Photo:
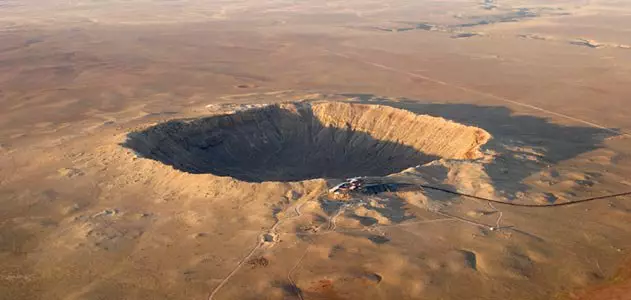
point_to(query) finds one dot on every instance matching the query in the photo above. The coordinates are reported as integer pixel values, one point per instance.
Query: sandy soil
(115, 183)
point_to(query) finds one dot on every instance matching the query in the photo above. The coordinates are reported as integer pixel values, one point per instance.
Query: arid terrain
(185, 149)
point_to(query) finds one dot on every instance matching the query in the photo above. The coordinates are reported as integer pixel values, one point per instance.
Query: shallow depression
(300, 141)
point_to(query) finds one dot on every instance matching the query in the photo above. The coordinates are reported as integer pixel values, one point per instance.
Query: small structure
(351, 184)
(361, 185)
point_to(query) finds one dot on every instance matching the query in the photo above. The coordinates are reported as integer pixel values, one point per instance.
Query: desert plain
(184, 149)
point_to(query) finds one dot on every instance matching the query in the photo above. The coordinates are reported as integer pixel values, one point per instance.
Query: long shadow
(271, 144)
(524, 145)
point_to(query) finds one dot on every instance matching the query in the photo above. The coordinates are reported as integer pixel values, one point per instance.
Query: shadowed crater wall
(299, 141)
